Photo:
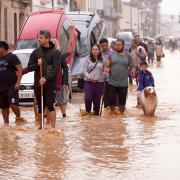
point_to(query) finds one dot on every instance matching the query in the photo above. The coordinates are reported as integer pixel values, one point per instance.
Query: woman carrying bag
(93, 81)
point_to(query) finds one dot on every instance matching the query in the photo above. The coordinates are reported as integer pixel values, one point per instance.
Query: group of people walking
(106, 71)
(50, 79)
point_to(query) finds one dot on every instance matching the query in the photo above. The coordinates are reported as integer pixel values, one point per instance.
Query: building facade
(12, 16)
(38, 5)
(112, 13)
(132, 19)
(109, 10)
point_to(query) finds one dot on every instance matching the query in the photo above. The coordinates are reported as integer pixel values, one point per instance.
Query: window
(15, 27)
(21, 20)
(68, 27)
(5, 25)
(96, 32)
(63, 40)
(28, 44)
(83, 46)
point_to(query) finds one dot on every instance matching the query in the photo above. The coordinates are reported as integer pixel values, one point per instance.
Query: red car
(57, 22)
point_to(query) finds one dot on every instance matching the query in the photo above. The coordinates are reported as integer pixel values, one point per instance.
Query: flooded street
(132, 147)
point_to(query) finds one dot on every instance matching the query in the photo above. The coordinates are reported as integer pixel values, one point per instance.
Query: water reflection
(50, 154)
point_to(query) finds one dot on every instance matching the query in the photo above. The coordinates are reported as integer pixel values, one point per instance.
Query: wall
(12, 8)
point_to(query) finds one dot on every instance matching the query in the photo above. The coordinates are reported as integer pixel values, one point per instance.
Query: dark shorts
(49, 96)
(117, 95)
(9, 97)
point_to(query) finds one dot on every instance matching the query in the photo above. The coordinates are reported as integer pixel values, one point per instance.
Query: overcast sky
(170, 7)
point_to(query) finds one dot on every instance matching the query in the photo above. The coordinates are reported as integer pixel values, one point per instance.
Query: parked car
(127, 37)
(60, 26)
(90, 29)
(26, 92)
(57, 22)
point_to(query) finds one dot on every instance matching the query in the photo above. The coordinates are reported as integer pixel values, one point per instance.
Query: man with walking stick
(45, 62)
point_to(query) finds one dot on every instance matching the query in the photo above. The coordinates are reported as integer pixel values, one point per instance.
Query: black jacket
(51, 61)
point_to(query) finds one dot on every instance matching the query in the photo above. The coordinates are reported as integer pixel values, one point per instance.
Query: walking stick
(102, 99)
(42, 101)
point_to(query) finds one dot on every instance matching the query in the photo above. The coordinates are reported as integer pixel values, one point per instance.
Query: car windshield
(28, 44)
(24, 58)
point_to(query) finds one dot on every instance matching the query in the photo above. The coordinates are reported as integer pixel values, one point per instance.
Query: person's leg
(4, 105)
(5, 114)
(60, 101)
(88, 96)
(37, 92)
(50, 101)
(63, 110)
(35, 109)
(122, 96)
(130, 78)
(112, 95)
(158, 58)
(13, 100)
(15, 108)
(138, 99)
(97, 94)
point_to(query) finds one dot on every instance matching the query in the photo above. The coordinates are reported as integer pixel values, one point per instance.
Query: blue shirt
(145, 79)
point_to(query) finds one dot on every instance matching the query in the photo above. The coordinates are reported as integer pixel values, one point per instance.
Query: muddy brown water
(132, 147)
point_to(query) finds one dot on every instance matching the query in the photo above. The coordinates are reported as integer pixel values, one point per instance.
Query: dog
(149, 101)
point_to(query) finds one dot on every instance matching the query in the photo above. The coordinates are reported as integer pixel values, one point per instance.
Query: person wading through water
(10, 77)
(47, 56)
(118, 66)
(94, 81)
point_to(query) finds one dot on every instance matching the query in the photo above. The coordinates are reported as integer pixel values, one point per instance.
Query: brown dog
(149, 101)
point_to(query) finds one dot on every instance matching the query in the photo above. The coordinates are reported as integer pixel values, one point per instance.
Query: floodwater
(132, 147)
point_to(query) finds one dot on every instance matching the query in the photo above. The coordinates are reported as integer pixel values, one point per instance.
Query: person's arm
(107, 64)
(33, 62)
(17, 64)
(19, 76)
(25, 70)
